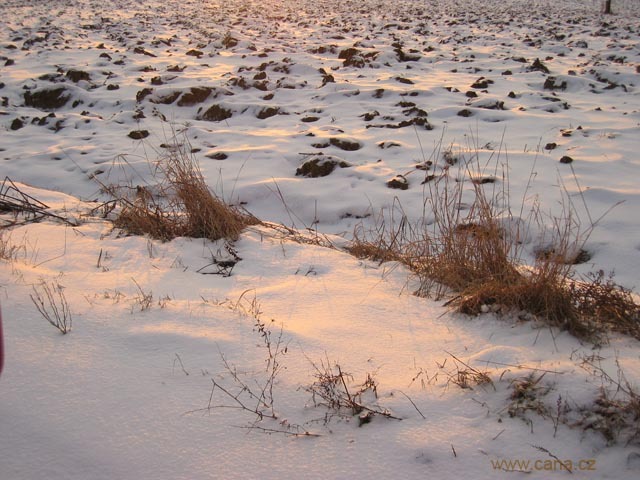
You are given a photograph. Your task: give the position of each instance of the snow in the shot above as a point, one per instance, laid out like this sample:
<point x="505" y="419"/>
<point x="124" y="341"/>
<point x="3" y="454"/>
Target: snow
<point x="128" y="392"/>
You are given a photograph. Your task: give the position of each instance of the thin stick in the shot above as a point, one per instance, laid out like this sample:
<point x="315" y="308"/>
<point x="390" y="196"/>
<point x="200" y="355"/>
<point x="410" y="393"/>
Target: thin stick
<point x="414" y="405"/>
<point x="181" y="365"/>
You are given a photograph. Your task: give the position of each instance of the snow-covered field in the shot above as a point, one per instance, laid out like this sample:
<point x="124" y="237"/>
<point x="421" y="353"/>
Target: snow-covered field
<point x="91" y="92"/>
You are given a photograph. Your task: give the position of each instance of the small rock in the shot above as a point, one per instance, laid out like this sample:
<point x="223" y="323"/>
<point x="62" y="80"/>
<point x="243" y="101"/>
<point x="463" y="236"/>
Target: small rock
<point x="566" y="159"/>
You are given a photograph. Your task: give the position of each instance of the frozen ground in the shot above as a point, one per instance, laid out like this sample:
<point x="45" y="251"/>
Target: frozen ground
<point x="256" y="89"/>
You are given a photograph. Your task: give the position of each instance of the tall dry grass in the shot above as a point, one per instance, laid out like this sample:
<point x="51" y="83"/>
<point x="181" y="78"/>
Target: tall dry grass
<point x="180" y="205"/>
<point x="471" y="252"/>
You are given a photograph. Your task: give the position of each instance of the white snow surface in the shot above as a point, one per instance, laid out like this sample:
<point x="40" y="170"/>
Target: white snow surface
<point x="128" y="393"/>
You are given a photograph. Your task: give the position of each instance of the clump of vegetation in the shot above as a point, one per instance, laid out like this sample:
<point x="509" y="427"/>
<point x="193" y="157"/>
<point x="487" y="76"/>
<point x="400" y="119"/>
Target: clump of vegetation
<point x="10" y="251"/>
<point x="182" y="205"/>
<point x="333" y="389"/>
<point x="615" y="413"/>
<point x="470" y="252"/>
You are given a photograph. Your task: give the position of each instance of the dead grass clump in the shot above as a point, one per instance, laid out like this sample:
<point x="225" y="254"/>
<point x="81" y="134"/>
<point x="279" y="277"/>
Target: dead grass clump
<point x="10" y="251"/>
<point x="334" y="389"/>
<point x="615" y="413"/>
<point x="609" y="304"/>
<point x="466" y="376"/>
<point x="144" y="219"/>
<point x="182" y="204"/>
<point x="207" y="215"/>
<point x="616" y="419"/>
<point x="381" y="247"/>
<point x="526" y="396"/>
<point x="468" y="247"/>
<point x="545" y="292"/>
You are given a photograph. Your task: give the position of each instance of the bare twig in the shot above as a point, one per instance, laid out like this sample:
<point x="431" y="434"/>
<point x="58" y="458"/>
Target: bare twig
<point x="52" y="304"/>
<point x="412" y="403"/>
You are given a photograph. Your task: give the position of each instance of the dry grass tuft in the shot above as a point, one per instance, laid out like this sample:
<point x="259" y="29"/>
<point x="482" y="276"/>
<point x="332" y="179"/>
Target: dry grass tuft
<point x="10" y="251"/>
<point x="615" y="413"/>
<point x="334" y="389"/>
<point x="608" y="304"/>
<point x="468" y="247"/>
<point x="182" y="205"/>
<point x="381" y="245"/>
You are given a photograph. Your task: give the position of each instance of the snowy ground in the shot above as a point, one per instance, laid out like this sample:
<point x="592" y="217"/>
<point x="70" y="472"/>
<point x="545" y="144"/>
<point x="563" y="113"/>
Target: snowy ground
<point x="257" y="89"/>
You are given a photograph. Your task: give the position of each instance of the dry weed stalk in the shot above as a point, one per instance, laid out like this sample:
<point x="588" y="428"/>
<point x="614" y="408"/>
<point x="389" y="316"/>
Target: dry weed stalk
<point x="331" y="390"/>
<point x="466" y="376"/>
<point x="256" y="397"/>
<point x="143" y="299"/>
<point x="52" y="304"/>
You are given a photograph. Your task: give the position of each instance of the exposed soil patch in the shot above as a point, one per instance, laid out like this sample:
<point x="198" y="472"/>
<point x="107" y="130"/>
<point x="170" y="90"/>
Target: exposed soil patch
<point x="267" y="112"/>
<point x="320" y="166"/>
<point x="194" y="96"/>
<point x="345" y="144"/>
<point x="216" y="113"/>
<point x="399" y="182"/>
<point x="138" y="134"/>
<point x="47" y="98"/>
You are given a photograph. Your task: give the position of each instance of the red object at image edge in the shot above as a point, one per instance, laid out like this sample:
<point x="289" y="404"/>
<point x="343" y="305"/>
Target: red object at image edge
<point x="1" y="345"/>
